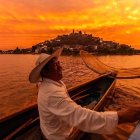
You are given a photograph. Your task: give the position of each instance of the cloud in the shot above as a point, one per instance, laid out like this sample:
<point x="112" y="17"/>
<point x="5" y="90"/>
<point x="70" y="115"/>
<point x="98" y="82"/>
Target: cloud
<point x="47" y="18"/>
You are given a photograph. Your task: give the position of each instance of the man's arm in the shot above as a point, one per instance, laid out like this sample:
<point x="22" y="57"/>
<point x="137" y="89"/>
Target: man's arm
<point x="82" y="118"/>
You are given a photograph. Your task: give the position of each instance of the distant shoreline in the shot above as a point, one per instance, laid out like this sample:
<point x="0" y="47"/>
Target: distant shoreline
<point x="74" y="54"/>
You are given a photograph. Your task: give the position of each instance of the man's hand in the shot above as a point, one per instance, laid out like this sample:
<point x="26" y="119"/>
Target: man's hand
<point x="131" y="114"/>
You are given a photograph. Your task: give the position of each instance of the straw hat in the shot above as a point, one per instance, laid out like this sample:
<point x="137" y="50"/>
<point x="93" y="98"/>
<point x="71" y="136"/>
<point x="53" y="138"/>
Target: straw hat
<point x="40" y="63"/>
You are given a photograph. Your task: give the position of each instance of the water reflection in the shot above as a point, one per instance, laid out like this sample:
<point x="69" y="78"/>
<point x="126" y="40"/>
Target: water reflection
<point x="17" y="93"/>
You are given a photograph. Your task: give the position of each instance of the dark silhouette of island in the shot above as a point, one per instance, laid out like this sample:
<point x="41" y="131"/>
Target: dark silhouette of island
<point x="76" y="41"/>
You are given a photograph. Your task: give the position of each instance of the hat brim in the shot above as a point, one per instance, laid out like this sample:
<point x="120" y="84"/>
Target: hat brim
<point x="35" y="73"/>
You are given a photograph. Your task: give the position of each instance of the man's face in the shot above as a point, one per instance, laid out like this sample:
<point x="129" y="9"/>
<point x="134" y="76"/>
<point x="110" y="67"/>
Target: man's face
<point x="55" y="68"/>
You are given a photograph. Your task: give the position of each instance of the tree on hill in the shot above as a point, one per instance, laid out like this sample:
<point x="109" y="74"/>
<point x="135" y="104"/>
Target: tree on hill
<point x="34" y="48"/>
<point x="17" y="51"/>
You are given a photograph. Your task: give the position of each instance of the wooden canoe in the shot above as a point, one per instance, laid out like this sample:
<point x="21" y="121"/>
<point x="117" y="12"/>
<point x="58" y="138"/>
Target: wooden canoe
<point x="25" y="124"/>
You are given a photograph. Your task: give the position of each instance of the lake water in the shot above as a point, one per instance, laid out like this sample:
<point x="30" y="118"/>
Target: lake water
<point x="17" y="93"/>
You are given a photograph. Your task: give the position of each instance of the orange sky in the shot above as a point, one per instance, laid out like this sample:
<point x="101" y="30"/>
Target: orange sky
<point x="24" y="23"/>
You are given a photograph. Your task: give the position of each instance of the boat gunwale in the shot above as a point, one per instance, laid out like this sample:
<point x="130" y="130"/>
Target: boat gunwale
<point x="105" y="95"/>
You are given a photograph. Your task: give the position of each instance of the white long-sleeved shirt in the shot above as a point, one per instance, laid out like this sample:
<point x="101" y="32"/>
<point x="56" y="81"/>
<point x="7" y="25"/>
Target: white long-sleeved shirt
<point x="59" y="114"/>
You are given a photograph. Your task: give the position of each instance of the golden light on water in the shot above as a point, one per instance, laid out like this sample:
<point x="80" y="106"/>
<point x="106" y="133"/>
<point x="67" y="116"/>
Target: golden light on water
<point x="25" y="23"/>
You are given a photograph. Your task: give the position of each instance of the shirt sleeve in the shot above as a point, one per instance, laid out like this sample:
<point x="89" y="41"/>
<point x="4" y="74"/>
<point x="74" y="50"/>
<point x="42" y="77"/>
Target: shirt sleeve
<point x="82" y="118"/>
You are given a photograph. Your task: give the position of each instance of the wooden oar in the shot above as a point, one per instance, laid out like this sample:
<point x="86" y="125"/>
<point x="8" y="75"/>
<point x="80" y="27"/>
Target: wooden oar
<point x="81" y="97"/>
<point x="72" y="97"/>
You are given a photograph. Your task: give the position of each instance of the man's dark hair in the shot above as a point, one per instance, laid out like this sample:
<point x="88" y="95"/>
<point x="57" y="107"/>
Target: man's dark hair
<point x="45" y="68"/>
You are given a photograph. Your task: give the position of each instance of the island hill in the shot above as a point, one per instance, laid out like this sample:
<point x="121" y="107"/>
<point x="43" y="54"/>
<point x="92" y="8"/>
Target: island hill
<point x="76" y="41"/>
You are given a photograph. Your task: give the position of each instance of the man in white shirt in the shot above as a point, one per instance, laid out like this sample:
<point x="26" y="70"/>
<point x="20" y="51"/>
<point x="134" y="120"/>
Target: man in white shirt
<point x="59" y="114"/>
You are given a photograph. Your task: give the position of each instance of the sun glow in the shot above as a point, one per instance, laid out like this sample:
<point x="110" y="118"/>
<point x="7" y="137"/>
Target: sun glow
<point x="26" y="23"/>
